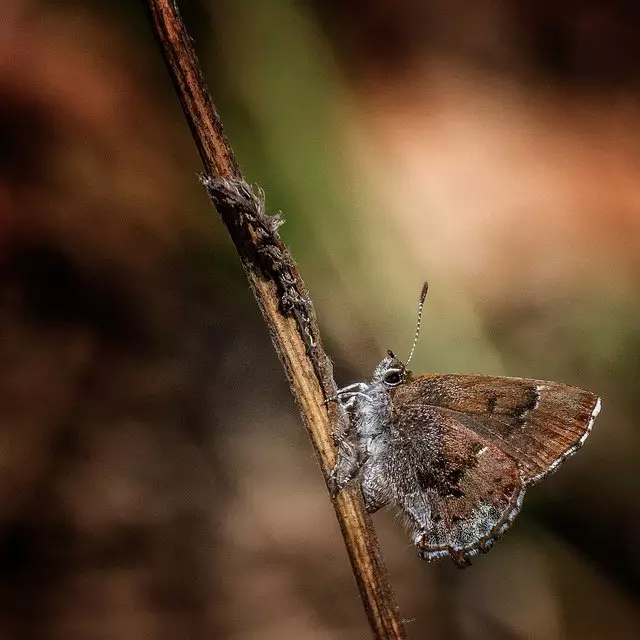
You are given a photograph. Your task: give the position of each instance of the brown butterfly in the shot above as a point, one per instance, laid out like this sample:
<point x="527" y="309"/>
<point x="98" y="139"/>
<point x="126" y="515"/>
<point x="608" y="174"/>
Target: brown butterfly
<point x="456" y="453"/>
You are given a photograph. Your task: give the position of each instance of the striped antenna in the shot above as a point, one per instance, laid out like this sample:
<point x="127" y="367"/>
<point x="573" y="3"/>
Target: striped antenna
<point x="423" y="295"/>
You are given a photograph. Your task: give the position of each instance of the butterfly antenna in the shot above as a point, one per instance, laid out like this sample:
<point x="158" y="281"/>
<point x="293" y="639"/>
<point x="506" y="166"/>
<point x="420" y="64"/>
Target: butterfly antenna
<point x="423" y="295"/>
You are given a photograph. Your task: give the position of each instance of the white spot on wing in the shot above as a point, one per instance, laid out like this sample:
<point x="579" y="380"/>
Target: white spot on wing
<point x="539" y="389"/>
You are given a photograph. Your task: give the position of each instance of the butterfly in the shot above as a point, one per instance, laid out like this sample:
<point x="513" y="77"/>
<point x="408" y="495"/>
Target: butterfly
<point x="455" y="453"/>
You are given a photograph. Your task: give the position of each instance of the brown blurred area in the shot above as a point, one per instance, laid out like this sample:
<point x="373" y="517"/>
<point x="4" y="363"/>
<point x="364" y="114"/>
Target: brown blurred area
<point x="155" y="481"/>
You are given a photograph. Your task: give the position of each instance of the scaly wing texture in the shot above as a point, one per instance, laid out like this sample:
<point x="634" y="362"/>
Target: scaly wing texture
<point x="457" y="490"/>
<point x="538" y="423"/>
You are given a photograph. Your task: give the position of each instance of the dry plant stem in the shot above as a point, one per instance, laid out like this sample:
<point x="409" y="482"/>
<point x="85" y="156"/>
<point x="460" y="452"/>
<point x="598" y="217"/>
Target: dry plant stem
<point x="285" y="305"/>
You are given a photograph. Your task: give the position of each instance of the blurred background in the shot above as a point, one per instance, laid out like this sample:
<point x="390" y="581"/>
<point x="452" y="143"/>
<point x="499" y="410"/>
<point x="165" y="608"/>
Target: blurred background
<point x="155" y="481"/>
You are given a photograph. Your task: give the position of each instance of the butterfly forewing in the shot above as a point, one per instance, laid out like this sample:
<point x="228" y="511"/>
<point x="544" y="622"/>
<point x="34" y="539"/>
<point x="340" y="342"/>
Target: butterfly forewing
<point x="538" y="423"/>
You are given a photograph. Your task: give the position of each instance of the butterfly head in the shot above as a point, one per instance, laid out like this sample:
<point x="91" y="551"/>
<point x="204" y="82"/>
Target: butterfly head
<point x="391" y="372"/>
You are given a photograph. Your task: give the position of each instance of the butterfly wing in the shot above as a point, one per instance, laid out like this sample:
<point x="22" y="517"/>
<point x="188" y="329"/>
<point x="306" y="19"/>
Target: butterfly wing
<point x="457" y="490"/>
<point x="467" y="446"/>
<point x="538" y="423"/>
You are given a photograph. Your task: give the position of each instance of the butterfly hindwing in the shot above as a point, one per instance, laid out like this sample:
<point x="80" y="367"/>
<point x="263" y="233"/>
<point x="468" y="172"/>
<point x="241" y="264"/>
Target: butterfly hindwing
<point x="457" y="491"/>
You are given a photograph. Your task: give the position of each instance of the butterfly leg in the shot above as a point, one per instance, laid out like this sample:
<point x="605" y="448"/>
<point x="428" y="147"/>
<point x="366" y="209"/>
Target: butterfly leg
<point x="360" y="386"/>
<point x="348" y="392"/>
<point x="349" y="400"/>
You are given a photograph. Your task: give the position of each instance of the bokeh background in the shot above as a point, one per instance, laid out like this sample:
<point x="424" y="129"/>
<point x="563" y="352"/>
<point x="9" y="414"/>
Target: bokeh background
<point x="155" y="481"/>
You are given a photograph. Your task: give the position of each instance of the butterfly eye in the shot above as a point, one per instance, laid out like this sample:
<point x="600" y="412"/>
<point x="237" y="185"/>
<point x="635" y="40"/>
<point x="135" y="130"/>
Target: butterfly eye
<point x="393" y="378"/>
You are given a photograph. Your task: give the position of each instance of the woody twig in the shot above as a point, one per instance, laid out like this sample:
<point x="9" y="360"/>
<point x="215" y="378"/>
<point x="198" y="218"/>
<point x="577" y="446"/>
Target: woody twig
<point x="285" y="305"/>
